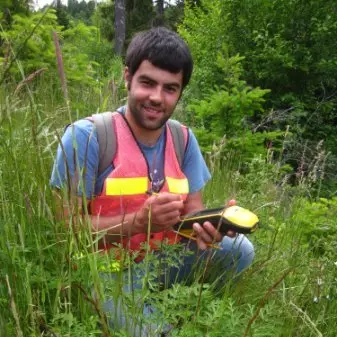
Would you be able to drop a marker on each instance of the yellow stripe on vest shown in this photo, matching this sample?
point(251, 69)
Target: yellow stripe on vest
point(179, 186)
point(126, 186)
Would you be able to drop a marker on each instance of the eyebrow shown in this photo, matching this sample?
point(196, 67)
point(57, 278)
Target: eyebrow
point(170, 84)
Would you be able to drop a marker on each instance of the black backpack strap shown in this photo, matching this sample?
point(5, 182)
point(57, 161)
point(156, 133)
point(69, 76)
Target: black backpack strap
point(180, 144)
point(106, 137)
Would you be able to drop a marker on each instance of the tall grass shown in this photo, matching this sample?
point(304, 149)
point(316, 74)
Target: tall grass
point(51, 280)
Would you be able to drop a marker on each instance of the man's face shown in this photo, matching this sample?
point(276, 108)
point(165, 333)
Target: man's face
point(153, 95)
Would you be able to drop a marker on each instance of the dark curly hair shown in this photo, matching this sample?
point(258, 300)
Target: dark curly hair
point(162, 47)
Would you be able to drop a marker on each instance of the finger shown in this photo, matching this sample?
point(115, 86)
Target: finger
point(162, 198)
point(231, 202)
point(168, 207)
point(202, 234)
point(170, 218)
point(231, 234)
point(212, 232)
point(165, 197)
point(151, 200)
point(201, 244)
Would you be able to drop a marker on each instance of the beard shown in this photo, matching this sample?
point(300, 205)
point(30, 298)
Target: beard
point(144, 121)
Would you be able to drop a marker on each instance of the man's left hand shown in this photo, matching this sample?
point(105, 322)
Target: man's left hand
point(208, 235)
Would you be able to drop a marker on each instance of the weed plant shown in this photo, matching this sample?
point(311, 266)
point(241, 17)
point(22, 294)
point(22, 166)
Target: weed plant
point(52, 279)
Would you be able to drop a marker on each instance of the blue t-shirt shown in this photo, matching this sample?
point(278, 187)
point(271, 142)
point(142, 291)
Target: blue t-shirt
point(81, 150)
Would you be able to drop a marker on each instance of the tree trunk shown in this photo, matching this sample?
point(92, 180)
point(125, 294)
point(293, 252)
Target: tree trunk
point(160, 8)
point(159, 19)
point(119, 26)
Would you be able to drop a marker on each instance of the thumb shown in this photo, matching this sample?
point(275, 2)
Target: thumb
point(231, 202)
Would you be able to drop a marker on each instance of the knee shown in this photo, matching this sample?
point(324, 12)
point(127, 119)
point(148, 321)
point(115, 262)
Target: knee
point(241, 249)
point(247, 251)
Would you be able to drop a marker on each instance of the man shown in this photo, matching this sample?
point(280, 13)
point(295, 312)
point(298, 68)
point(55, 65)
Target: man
point(121, 199)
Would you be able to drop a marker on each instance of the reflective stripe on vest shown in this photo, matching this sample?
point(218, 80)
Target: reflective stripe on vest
point(126, 186)
point(134, 186)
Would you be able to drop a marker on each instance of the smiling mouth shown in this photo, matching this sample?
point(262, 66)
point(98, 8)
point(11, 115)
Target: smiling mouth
point(152, 112)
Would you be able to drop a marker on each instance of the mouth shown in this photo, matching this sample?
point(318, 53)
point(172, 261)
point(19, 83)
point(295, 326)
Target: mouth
point(152, 112)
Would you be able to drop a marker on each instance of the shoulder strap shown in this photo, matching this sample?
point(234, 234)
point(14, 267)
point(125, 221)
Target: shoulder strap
point(179, 139)
point(106, 139)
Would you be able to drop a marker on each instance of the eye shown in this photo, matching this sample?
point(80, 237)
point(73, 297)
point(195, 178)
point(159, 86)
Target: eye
point(146, 82)
point(171, 89)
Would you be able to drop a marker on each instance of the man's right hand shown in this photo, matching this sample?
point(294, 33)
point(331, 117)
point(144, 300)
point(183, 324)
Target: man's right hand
point(164, 209)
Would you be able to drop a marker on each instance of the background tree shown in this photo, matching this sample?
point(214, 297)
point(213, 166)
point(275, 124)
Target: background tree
point(104, 18)
point(285, 46)
point(174, 14)
point(82, 11)
point(159, 19)
point(8, 8)
point(62, 15)
point(139, 16)
point(119, 26)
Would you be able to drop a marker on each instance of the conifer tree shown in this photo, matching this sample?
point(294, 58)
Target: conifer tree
point(159, 20)
point(62, 16)
point(11, 7)
point(119, 26)
point(139, 15)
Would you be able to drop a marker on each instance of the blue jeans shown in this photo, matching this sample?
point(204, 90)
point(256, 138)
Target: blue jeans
point(234, 255)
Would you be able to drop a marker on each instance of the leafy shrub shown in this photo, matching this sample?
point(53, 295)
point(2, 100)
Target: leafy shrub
point(225, 109)
point(204, 28)
point(285, 46)
point(318, 223)
point(84, 53)
point(30, 41)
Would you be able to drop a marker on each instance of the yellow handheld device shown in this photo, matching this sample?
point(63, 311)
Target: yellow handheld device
point(234, 218)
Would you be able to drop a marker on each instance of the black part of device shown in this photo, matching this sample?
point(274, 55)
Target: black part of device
point(239, 220)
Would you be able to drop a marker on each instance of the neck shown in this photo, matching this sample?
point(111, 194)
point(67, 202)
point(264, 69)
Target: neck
point(144, 136)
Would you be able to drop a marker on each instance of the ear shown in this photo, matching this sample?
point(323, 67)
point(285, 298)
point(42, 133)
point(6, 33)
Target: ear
point(127, 78)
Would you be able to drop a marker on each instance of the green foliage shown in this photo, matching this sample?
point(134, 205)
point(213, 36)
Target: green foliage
point(204, 30)
point(62, 15)
point(104, 18)
point(81, 10)
point(174, 14)
point(83, 51)
point(38, 51)
point(139, 15)
point(215, 317)
point(288, 49)
point(285, 46)
point(243, 147)
point(224, 111)
point(86, 56)
point(67, 323)
point(52, 271)
point(233, 178)
point(293, 56)
point(318, 223)
point(224, 101)
point(9, 8)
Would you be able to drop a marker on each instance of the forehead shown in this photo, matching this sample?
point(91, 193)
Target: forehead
point(159, 75)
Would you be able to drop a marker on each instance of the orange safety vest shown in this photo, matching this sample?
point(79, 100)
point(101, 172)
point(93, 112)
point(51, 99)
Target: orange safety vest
point(124, 190)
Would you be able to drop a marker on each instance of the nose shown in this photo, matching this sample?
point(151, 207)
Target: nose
point(156, 95)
